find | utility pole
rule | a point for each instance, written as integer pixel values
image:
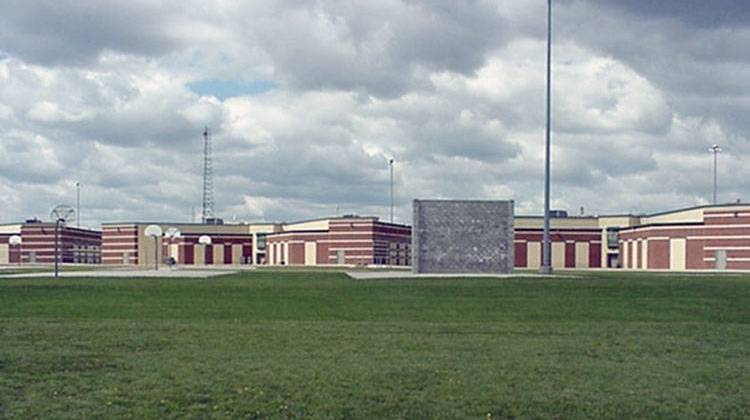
(58, 222)
(546, 245)
(390, 163)
(78, 204)
(715, 149)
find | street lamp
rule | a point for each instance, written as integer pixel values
(390, 163)
(78, 204)
(60, 214)
(546, 267)
(715, 149)
(155, 232)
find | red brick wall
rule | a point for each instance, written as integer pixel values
(519, 254)
(595, 255)
(658, 254)
(116, 240)
(40, 239)
(570, 255)
(694, 255)
(296, 254)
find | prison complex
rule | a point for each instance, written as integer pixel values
(75, 245)
(704, 237)
(341, 240)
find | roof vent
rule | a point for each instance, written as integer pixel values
(558, 213)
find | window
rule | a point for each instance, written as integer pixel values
(261, 241)
(613, 238)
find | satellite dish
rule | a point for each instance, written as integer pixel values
(15, 240)
(153, 230)
(62, 212)
(172, 233)
(205, 240)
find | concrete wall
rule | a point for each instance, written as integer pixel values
(462, 236)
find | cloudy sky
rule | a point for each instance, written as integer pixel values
(308, 99)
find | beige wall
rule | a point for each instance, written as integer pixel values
(148, 249)
(10, 229)
(236, 254)
(321, 224)
(582, 255)
(695, 215)
(218, 254)
(556, 223)
(677, 253)
(558, 254)
(199, 254)
(4, 254)
(533, 254)
(311, 253)
(618, 221)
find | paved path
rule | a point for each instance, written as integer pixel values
(121, 273)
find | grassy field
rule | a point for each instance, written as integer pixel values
(316, 344)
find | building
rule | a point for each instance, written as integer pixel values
(700, 238)
(75, 245)
(126, 243)
(350, 240)
(577, 241)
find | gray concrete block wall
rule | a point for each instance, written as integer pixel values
(462, 236)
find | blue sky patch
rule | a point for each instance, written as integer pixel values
(224, 89)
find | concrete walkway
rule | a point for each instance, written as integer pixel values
(122, 273)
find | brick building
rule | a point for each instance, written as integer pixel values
(341, 240)
(705, 237)
(126, 243)
(75, 245)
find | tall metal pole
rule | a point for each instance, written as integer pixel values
(390, 162)
(546, 245)
(156, 253)
(78, 204)
(57, 246)
(715, 149)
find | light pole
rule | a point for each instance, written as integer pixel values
(78, 204)
(60, 214)
(390, 163)
(546, 267)
(57, 245)
(715, 149)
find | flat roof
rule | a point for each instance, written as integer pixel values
(189, 223)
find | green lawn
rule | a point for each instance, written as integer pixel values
(290, 344)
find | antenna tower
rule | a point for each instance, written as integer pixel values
(208, 183)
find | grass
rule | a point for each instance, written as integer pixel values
(316, 344)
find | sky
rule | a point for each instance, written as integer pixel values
(308, 100)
